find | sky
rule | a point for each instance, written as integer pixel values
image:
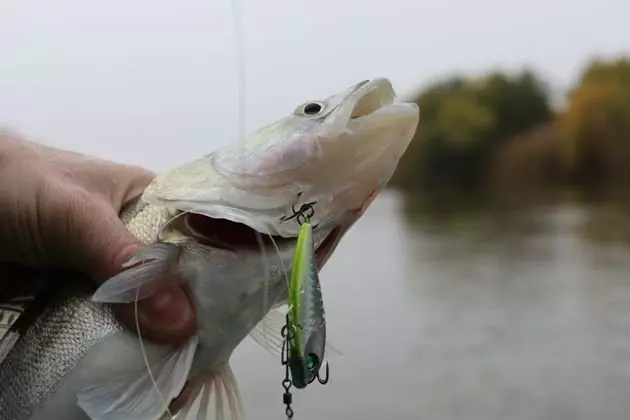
(156, 82)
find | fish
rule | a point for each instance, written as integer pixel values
(223, 225)
(305, 331)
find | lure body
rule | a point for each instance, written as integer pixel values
(306, 317)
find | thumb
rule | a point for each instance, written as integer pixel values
(165, 316)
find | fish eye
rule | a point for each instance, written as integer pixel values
(312, 361)
(312, 108)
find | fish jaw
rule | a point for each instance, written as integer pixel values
(337, 159)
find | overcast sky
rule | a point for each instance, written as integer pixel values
(154, 82)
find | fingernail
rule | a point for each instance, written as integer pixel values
(167, 310)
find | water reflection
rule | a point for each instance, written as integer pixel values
(522, 318)
(519, 313)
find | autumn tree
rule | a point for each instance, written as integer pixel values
(462, 121)
(595, 128)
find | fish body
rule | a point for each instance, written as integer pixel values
(223, 225)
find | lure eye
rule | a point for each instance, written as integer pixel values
(312, 362)
(311, 108)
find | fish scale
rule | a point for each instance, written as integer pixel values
(50, 349)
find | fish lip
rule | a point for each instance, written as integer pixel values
(369, 104)
(365, 98)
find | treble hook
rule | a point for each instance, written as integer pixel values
(303, 214)
(325, 380)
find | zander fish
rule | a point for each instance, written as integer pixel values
(225, 225)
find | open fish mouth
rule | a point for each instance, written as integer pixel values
(372, 96)
(235, 236)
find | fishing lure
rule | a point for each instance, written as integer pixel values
(305, 331)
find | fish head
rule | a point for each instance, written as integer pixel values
(324, 162)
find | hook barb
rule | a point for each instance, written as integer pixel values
(324, 380)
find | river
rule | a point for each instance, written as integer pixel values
(513, 317)
(486, 316)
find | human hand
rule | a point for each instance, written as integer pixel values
(59, 209)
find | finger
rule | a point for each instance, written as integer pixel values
(115, 183)
(167, 315)
(128, 182)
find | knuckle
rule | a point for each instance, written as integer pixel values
(79, 201)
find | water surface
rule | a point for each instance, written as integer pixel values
(492, 316)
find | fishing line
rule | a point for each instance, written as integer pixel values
(241, 87)
(284, 269)
(140, 340)
(262, 246)
(177, 216)
(241, 104)
(242, 130)
(266, 270)
(146, 359)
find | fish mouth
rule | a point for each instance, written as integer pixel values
(369, 96)
(370, 105)
(360, 101)
(234, 236)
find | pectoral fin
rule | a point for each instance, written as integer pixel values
(139, 395)
(146, 272)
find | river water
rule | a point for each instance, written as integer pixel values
(524, 316)
(516, 315)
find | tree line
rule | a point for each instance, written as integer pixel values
(500, 131)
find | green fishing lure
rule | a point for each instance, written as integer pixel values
(305, 329)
